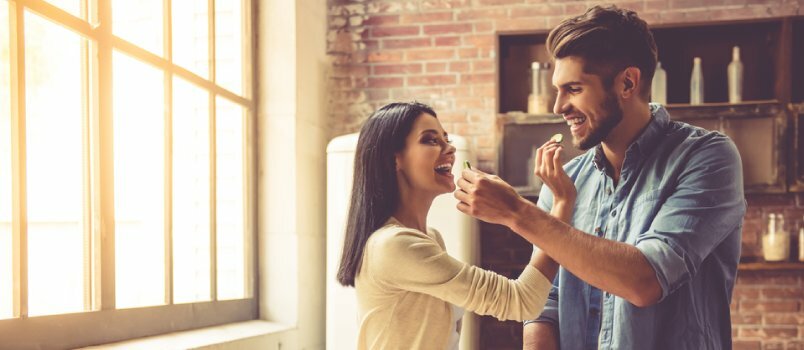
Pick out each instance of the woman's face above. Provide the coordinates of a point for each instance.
(425, 164)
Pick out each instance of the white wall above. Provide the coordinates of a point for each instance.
(292, 67)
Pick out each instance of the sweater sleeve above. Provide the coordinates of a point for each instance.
(410, 260)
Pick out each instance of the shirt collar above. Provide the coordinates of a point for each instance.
(645, 142)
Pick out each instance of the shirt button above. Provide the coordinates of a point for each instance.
(608, 191)
(614, 213)
(594, 312)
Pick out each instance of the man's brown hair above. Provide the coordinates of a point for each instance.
(609, 40)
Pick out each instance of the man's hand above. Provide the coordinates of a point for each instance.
(549, 169)
(488, 198)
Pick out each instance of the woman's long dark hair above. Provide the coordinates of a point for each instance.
(375, 194)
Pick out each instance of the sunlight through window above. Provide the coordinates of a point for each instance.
(229, 44)
(54, 142)
(71, 6)
(191, 35)
(139, 115)
(131, 143)
(191, 193)
(230, 198)
(139, 22)
(6, 272)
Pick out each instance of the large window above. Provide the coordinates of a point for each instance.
(126, 196)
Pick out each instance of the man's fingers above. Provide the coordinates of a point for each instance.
(463, 207)
(461, 195)
(547, 160)
(471, 175)
(465, 186)
(557, 159)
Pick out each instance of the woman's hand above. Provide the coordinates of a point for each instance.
(549, 169)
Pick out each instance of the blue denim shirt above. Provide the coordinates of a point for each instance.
(680, 202)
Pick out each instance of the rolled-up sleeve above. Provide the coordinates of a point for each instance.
(550, 312)
(707, 205)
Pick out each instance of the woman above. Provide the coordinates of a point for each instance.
(409, 290)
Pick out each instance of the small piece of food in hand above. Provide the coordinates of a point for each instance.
(557, 138)
(466, 165)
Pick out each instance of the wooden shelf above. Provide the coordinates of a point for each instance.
(721, 104)
(771, 266)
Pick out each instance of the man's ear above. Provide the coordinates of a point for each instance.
(631, 82)
(398, 161)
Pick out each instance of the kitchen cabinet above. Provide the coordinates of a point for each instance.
(757, 129)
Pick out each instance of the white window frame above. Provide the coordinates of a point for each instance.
(104, 323)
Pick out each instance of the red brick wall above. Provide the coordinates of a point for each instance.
(442, 52)
(768, 307)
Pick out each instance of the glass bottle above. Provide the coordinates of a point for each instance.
(658, 87)
(776, 240)
(696, 83)
(735, 72)
(801, 241)
(540, 98)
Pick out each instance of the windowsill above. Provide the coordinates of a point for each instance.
(199, 337)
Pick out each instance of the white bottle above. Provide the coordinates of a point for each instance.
(658, 87)
(696, 83)
(735, 73)
(801, 244)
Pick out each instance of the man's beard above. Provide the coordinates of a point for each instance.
(613, 116)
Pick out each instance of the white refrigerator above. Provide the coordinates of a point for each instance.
(459, 231)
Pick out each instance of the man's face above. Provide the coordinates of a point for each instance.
(590, 108)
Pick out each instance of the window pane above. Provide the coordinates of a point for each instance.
(191, 195)
(54, 141)
(71, 6)
(229, 44)
(230, 170)
(138, 182)
(6, 278)
(191, 35)
(139, 22)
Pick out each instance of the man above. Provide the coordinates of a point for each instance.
(651, 257)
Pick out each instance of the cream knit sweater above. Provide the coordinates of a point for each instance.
(407, 282)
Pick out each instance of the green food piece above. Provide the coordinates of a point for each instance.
(466, 165)
(557, 138)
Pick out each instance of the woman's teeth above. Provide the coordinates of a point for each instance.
(576, 121)
(444, 168)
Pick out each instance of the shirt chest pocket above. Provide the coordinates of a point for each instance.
(638, 214)
(584, 216)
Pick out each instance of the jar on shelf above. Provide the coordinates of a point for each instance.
(776, 239)
(540, 100)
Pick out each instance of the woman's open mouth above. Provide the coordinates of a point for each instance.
(444, 169)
